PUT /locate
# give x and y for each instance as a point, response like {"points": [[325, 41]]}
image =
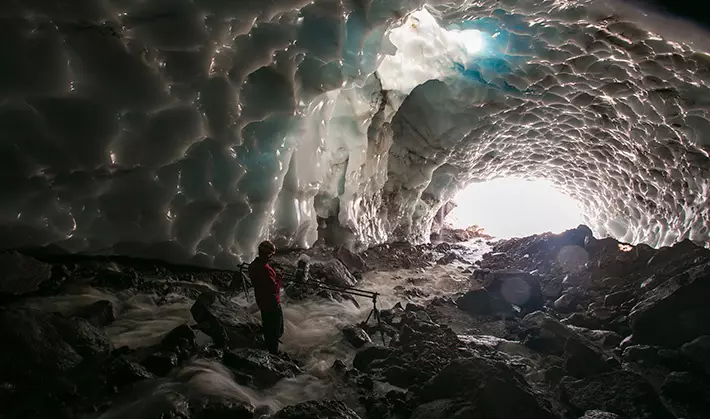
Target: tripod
{"points": [[375, 312], [301, 276]]}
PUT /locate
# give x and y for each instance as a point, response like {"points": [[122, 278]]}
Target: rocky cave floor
{"points": [[599, 330]]}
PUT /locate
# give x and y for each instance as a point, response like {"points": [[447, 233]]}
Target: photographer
{"points": [[267, 291]]}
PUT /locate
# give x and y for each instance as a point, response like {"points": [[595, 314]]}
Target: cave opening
{"points": [[515, 207]]}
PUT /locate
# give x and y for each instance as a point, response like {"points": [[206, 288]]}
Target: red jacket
{"points": [[267, 285]]}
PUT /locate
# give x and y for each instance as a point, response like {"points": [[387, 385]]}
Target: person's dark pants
{"points": [[272, 322]]}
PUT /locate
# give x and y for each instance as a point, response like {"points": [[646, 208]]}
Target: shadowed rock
{"points": [[599, 414], [99, 314], [676, 312], [220, 408], [620, 392], [21, 274], [697, 351], [258, 368], [30, 339], [492, 388], [225, 322], [332, 272], [687, 394], [546, 335], [356, 336], [327, 409]]}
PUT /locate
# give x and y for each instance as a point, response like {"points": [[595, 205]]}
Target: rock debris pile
{"points": [[553, 326]]}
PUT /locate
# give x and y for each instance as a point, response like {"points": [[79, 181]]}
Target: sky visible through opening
{"points": [[514, 207]]}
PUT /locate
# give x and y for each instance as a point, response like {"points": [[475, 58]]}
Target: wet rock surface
{"points": [[330, 409], [22, 274], [552, 326]]}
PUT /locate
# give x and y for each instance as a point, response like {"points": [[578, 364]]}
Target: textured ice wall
{"points": [[192, 129], [570, 91]]}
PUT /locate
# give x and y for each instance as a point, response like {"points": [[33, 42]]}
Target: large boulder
{"points": [[87, 340], [332, 272], [219, 408], [482, 302], [546, 335], [228, 324], [687, 394], [620, 392], [325, 409], [99, 314], [31, 346], [46, 343], [599, 414], [366, 356], [356, 336], [675, 312], [604, 339], [160, 363], [21, 274], [258, 368], [352, 261], [121, 372], [494, 390], [446, 409], [515, 287], [180, 338], [698, 352]]}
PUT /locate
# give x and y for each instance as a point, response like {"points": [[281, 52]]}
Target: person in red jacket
{"points": [[267, 291]]}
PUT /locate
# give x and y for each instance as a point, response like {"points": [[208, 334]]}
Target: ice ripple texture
{"points": [[188, 130]]}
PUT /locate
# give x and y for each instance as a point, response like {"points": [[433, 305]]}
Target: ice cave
{"points": [[190, 130], [148, 148]]}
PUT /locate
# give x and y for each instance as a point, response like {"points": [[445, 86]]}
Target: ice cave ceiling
{"points": [[191, 129]]}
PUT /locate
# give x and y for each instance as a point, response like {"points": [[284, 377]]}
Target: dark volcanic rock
{"points": [[599, 414], [446, 409], [698, 351], [482, 302], [21, 274], [619, 392], [676, 312], [121, 372], [332, 272], [356, 336], [86, 339], [583, 360], [116, 280], [617, 298], [180, 338], [327, 409], [642, 354], [352, 261], [516, 287], [258, 368], [567, 303], [220, 408], [448, 258], [495, 390], [160, 363], [225, 322], [365, 357], [546, 335], [604, 339], [30, 339], [99, 314], [687, 394]]}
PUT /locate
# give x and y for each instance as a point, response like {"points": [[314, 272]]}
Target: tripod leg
{"points": [[370, 315], [379, 324]]}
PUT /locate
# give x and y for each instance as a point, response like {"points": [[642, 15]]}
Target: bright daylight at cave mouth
{"points": [[514, 207]]}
